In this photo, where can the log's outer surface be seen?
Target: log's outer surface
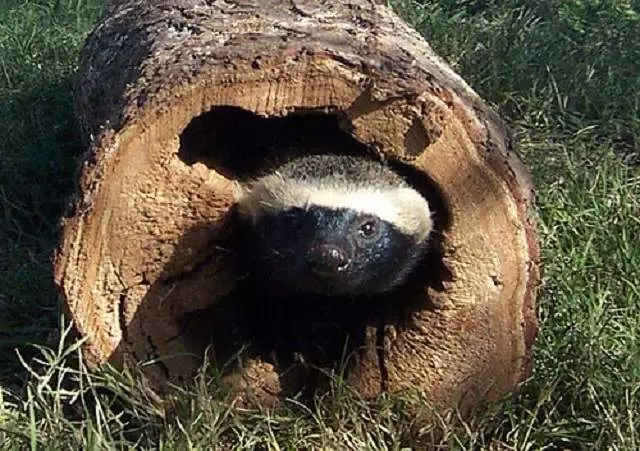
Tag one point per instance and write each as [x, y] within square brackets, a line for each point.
[145, 48]
[138, 247]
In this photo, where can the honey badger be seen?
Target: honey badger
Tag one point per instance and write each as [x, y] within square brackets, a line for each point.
[333, 225]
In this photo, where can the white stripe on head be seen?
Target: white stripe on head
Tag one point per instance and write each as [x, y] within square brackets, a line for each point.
[401, 206]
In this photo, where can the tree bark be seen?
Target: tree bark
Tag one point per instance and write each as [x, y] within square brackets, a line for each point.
[179, 98]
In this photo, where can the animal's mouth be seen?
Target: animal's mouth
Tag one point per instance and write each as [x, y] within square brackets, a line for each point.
[335, 285]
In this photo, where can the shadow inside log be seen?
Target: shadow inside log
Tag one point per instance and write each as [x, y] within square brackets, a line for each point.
[308, 338]
[208, 304]
[237, 143]
[303, 338]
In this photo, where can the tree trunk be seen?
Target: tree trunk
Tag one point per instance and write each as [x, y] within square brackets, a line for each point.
[180, 98]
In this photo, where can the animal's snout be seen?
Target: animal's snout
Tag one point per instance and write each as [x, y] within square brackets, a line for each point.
[327, 260]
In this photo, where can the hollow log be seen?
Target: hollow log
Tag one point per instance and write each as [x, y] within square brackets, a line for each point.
[178, 99]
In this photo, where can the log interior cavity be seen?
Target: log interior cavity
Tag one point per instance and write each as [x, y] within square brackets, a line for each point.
[305, 336]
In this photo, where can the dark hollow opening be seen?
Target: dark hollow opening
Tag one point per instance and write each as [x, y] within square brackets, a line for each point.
[237, 143]
[310, 332]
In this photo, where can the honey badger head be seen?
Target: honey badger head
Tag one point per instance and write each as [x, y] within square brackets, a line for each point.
[333, 225]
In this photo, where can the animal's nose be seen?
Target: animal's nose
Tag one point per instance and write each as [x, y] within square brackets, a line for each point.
[327, 260]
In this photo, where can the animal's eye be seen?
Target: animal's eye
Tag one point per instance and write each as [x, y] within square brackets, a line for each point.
[369, 228]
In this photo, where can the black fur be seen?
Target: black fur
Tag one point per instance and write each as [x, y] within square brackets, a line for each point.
[279, 245]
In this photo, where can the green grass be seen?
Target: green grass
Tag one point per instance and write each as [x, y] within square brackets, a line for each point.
[39, 44]
[566, 75]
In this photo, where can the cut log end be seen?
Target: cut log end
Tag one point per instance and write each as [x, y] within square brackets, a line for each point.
[147, 264]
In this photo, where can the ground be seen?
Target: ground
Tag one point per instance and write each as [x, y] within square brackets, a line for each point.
[564, 73]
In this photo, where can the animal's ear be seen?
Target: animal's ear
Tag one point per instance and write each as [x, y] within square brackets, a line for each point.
[248, 200]
[414, 213]
[240, 191]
